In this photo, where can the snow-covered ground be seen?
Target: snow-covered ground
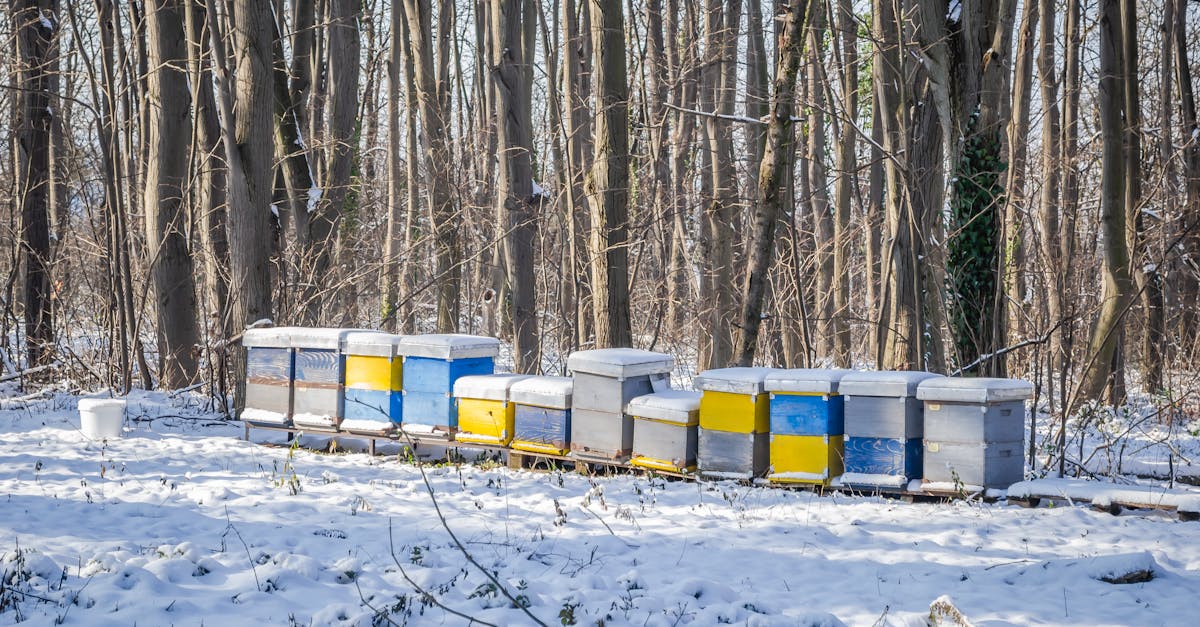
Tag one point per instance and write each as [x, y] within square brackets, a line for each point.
[180, 522]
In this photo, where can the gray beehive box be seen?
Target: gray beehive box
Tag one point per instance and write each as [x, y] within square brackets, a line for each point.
[270, 373]
[884, 404]
[974, 428]
[729, 455]
[664, 430]
[605, 380]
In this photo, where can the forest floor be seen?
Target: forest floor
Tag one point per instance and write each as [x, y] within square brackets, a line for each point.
[181, 522]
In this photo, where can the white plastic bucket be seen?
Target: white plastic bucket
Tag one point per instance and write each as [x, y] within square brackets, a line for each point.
[101, 418]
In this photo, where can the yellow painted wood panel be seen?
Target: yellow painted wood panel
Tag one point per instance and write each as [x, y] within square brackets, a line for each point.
[806, 458]
[538, 447]
[665, 465]
[367, 372]
[484, 421]
[735, 413]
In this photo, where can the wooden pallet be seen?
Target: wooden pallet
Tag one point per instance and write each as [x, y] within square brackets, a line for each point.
[1113, 500]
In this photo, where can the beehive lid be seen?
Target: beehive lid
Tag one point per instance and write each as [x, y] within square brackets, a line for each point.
[672, 405]
[733, 380]
[268, 337]
[319, 338]
[488, 387]
[974, 390]
[620, 362]
[884, 383]
[449, 346]
[805, 380]
[552, 392]
[372, 343]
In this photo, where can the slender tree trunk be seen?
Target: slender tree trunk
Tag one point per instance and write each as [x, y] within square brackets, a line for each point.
[1016, 205]
[818, 184]
[1189, 291]
[514, 191]
[608, 182]
[1118, 287]
[35, 36]
[392, 246]
[1048, 212]
[847, 181]
[790, 19]
[168, 136]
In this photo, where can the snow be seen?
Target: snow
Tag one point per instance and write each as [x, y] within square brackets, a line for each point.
[1103, 494]
[620, 362]
[314, 196]
[488, 387]
[263, 416]
[319, 421]
[878, 480]
[799, 476]
[359, 425]
[886, 383]
[679, 406]
[733, 380]
[318, 338]
[372, 343]
[449, 346]
[805, 380]
[180, 522]
[974, 390]
[551, 392]
[268, 337]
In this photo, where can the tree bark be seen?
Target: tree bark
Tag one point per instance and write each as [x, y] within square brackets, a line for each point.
[847, 182]
[1189, 291]
[514, 192]
[169, 135]
[1117, 281]
[608, 182]
[790, 19]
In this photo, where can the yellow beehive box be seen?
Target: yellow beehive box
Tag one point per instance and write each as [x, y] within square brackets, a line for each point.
[485, 415]
[372, 372]
[734, 400]
[813, 459]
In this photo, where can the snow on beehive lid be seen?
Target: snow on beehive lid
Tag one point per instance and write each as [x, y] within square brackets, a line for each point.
[319, 338]
[620, 362]
[551, 392]
[897, 383]
[733, 380]
[372, 343]
[488, 387]
[805, 380]
[679, 406]
[268, 337]
[449, 346]
[974, 390]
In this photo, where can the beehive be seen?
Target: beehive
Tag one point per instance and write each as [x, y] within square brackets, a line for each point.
[974, 429]
[884, 428]
[807, 425]
[374, 378]
[665, 428]
[485, 413]
[605, 381]
[542, 418]
[318, 398]
[432, 363]
[734, 421]
[270, 372]
[805, 458]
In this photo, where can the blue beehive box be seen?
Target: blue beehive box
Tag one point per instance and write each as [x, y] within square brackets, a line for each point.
[884, 428]
[318, 396]
[543, 415]
[373, 383]
[432, 363]
[805, 401]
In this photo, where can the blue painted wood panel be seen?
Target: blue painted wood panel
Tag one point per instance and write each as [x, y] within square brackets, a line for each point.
[424, 374]
[436, 409]
[542, 425]
[319, 366]
[802, 414]
[374, 405]
[273, 364]
[884, 456]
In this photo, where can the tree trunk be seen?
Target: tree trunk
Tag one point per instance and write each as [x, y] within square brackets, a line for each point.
[790, 19]
[34, 37]
[1016, 205]
[1189, 291]
[847, 182]
[392, 265]
[1117, 281]
[169, 135]
[514, 192]
[1048, 211]
[608, 182]
[818, 183]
